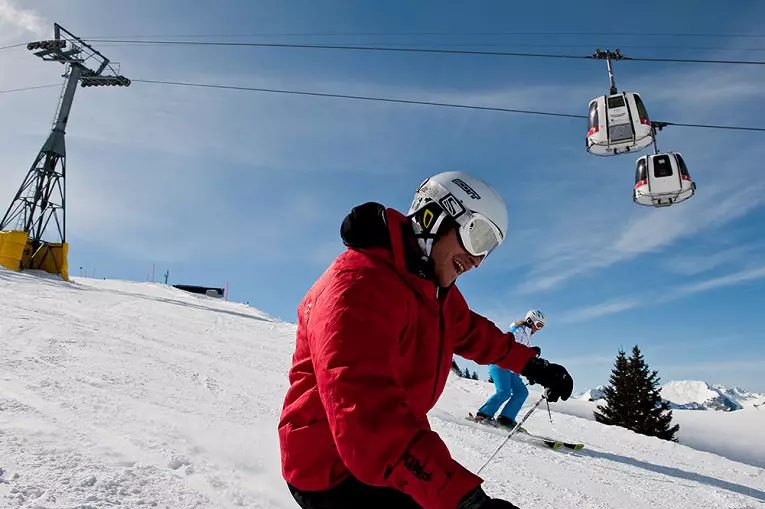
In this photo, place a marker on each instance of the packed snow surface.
(131, 395)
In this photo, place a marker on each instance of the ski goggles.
(538, 325)
(478, 235)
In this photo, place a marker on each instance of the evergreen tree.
(491, 380)
(475, 375)
(616, 393)
(456, 368)
(656, 415)
(633, 399)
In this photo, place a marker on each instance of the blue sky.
(250, 188)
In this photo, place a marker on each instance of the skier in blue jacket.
(509, 385)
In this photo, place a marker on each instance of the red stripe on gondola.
(641, 183)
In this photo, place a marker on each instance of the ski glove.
(551, 376)
(478, 499)
(537, 350)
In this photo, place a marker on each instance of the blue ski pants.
(509, 386)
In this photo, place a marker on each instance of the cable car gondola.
(662, 180)
(618, 123)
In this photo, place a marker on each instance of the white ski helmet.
(536, 317)
(477, 209)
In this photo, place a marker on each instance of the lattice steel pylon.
(42, 195)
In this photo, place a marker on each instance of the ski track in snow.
(118, 394)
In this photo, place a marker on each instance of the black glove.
(478, 499)
(537, 350)
(552, 376)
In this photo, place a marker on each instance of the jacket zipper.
(440, 348)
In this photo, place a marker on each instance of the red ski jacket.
(373, 351)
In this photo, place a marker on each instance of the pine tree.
(456, 368)
(491, 379)
(475, 375)
(655, 412)
(616, 394)
(633, 399)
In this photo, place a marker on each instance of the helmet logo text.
(469, 190)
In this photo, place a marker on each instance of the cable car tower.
(38, 210)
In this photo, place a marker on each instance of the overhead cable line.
(438, 45)
(27, 88)
(414, 50)
(395, 101)
(421, 103)
(357, 97)
(397, 34)
(13, 46)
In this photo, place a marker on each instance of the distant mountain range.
(696, 395)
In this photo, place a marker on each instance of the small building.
(218, 293)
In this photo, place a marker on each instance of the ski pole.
(514, 430)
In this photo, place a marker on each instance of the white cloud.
(666, 295)
(690, 264)
(602, 309)
(722, 281)
(16, 21)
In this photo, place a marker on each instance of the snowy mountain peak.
(696, 395)
(593, 394)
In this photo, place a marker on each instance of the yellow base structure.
(17, 253)
(12, 245)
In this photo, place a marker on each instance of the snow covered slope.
(134, 395)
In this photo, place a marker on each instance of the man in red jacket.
(375, 338)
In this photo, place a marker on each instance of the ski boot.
(485, 419)
(508, 423)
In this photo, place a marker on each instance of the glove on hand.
(537, 350)
(478, 499)
(552, 376)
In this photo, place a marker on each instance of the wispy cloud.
(722, 281)
(691, 264)
(667, 295)
(16, 21)
(598, 310)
